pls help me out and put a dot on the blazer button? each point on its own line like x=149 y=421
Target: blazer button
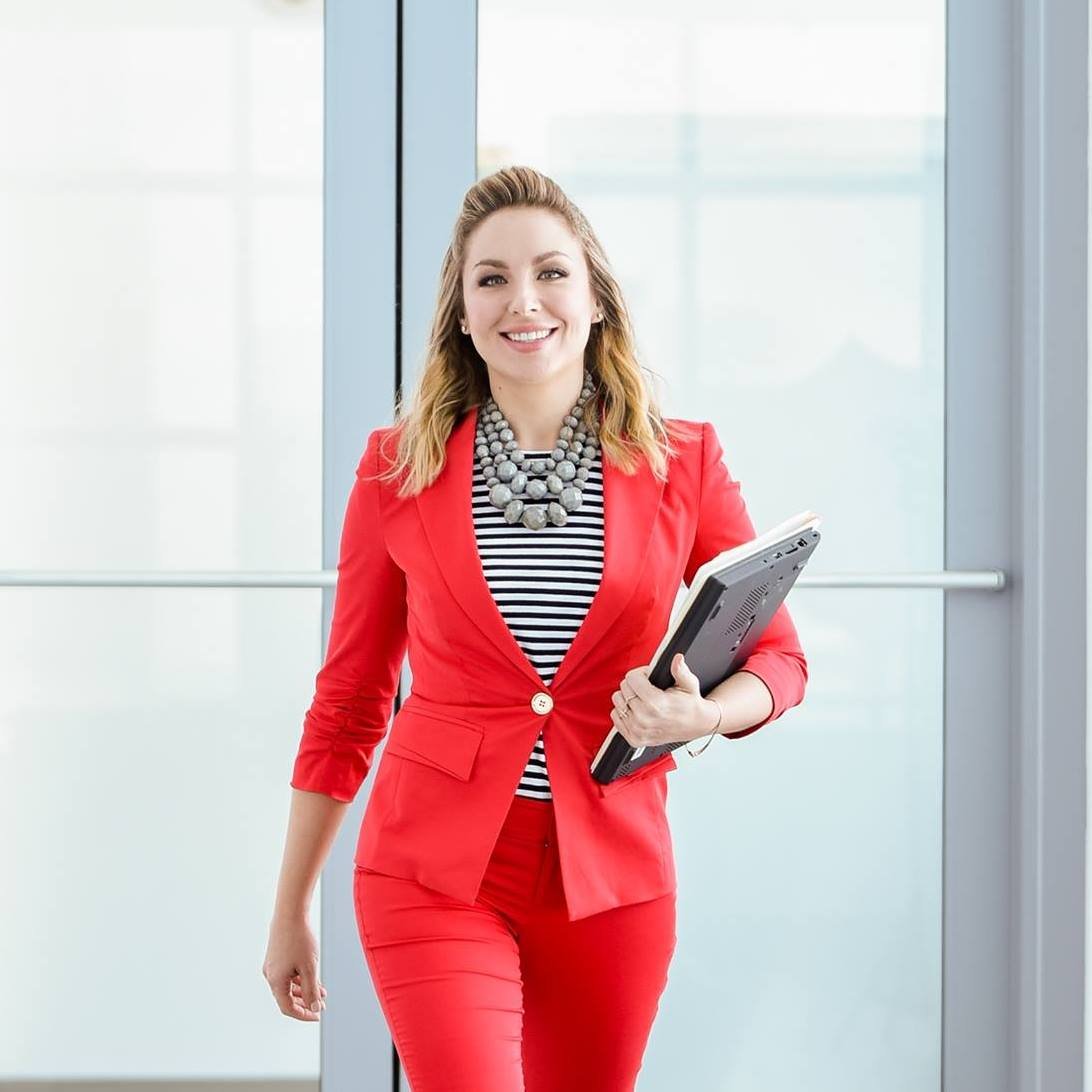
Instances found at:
x=542 y=702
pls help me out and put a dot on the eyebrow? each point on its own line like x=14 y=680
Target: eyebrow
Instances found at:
x=503 y=265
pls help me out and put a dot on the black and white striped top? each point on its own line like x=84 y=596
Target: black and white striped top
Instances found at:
x=543 y=583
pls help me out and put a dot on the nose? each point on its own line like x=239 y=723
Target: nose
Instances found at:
x=524 y=299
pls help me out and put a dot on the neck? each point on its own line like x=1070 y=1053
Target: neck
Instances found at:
x=536 y=413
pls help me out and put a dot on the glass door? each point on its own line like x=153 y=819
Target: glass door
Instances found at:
x=769 y=184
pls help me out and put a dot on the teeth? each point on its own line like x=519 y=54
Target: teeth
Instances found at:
x=535 y=335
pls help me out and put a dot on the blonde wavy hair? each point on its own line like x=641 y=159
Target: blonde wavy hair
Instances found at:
x=454 y=378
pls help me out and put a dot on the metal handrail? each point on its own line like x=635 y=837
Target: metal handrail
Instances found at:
x=948 y=579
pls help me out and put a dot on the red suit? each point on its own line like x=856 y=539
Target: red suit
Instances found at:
x=410 y=578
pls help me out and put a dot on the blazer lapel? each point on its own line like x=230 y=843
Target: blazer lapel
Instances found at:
x=630 y=505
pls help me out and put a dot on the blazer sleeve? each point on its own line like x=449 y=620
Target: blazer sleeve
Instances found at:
x=355 y=687
x=777 y=658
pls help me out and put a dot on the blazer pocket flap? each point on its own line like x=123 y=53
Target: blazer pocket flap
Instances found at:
x=663 y=763
x=443 y=742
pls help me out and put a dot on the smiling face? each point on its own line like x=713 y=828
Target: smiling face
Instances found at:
x=525 y=272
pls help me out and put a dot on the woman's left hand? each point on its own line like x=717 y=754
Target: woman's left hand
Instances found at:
x=657 y=716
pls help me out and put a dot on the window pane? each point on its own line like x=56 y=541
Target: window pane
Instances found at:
x=161 y=365
x=143 y=799
x=161 y=265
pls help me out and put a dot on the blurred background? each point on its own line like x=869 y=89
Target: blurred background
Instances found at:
x=221 y=225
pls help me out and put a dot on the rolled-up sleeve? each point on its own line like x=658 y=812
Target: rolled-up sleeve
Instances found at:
x=355 y=687
x=777 y=658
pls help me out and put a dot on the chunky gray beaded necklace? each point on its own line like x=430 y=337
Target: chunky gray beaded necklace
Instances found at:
x=514 y=480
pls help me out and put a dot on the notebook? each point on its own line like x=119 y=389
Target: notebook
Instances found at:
x=730 y=602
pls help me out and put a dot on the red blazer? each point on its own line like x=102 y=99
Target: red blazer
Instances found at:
x=409 y=575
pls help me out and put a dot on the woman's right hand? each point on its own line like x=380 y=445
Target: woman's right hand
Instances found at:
x=291 y=969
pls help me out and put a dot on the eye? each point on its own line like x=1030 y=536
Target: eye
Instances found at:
x=484 y=282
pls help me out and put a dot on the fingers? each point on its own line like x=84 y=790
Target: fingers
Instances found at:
x=619 y=722
x=637 y=680
x=289 y=1002
x=296 y=988
x=295 y=999
x=310 y=993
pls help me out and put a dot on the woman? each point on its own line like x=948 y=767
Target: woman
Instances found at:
x=523 y=530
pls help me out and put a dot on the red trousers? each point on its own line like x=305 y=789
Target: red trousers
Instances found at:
x=508 y=995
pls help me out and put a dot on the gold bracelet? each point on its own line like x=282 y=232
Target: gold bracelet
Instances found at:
x=720 y=716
